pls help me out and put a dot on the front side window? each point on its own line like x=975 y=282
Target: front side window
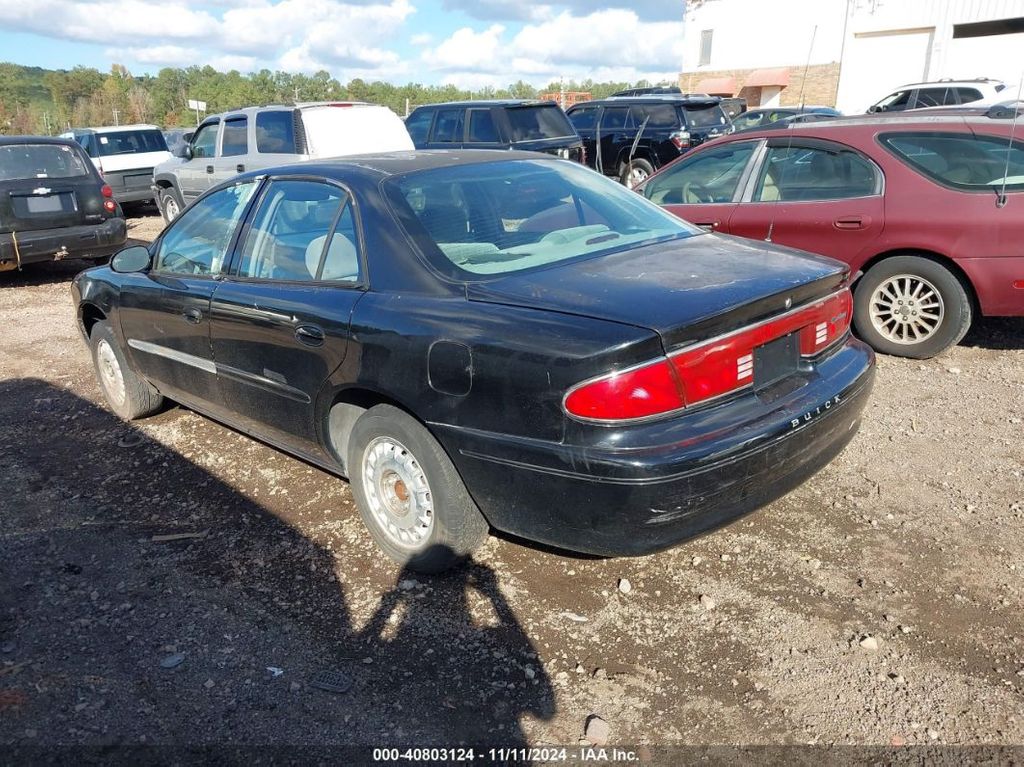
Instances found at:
x=204 y=143
x=748 y=120
x=288 y=236
x=711 y=176
x=197 y=242
x=894 y=102
x=448 y=126
x=235 y=138
x=796 y=173
x=965 y=161
x=481 y=127
x=494 y=218
x=275 y=132
x=24 y=161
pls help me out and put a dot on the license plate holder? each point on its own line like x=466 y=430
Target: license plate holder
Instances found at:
x=776 y=360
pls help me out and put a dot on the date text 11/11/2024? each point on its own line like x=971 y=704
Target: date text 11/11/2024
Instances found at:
x=506 y=755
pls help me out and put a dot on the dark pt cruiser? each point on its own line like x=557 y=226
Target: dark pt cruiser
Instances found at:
x=489 y=339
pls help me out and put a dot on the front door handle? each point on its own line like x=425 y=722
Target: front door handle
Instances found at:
x=849 y=222
x=708 y=225
x=240 y=168
x=209 y=169
x=310 y=335
x=193 y=315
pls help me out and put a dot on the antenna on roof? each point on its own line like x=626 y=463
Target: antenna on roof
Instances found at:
x=1001 y=194
x=789 y=143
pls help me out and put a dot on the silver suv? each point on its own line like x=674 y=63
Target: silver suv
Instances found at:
x=227 y=144
x=938 y=94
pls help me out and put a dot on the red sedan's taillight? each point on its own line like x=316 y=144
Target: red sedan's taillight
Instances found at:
x=707 y=370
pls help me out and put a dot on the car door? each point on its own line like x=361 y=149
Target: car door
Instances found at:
x=819 y=196
x=704 y=187
x=196 y=172
x=584 y=119
x=164 y=313
x=614 y=122
x=280 y=322
x=234 y=146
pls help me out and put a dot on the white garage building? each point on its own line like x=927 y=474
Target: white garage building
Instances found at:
x=847 y=53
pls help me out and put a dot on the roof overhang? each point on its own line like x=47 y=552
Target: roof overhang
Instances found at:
x=717 y=86
x=766 y=78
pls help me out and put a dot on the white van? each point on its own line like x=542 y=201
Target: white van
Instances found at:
x=227 y=144
x=125 y=156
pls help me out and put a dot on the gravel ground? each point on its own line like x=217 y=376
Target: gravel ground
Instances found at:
x=880 y=603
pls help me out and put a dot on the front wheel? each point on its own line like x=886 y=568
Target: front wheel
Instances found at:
x=911 y=306
x=636 y=172
x=410 y=496
x=170 y=204
x=129 y=395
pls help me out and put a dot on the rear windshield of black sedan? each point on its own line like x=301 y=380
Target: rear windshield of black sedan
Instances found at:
x=501 y=217
x=24 y=161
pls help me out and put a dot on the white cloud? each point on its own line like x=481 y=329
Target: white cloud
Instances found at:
x=160 y=55
x=424 y=38
x=467 y=51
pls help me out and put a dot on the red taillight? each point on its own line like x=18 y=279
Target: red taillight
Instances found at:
x=680 y=138
x=106 y=191
x=707 y=370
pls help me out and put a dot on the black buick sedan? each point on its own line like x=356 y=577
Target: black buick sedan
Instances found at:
x=488 y=340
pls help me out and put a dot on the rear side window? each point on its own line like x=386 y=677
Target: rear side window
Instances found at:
x=481 y=127
x=614 y=118
x=275 y=132
x=235 y=139
x=813 y=173
x=130 y=142
x=418 y=125
x=23 y=161
x=289 y=234
x=657 y=116
x=961 y=160
x=448 y=126
x=705 y=117
x=584 y=118
x=935 y=97
x=538 y=122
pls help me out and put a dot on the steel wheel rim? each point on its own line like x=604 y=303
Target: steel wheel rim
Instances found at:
x=398 y=493
x=171 y=208
x=110 y=373
x=906 y=309
x=635 y=176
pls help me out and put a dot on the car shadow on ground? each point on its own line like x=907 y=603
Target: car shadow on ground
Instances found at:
x=996 y=333
x=45 y=273
x=145 y=601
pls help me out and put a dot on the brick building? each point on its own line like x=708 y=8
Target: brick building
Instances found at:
x=845 y=53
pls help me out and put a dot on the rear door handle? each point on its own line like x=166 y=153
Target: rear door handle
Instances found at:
x=193 y=315
x=240 y=168
x=849 y=222
x=310 y=335
x=209 y=169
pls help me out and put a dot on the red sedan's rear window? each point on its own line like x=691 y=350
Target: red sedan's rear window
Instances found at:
x=964 y=161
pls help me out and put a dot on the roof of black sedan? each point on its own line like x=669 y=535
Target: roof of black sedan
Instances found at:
x=9 y=140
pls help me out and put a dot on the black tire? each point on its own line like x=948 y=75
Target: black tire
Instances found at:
x=139 y=397
x=640 y=170
x=171 y=204
x=456 y=525
x=954 y=316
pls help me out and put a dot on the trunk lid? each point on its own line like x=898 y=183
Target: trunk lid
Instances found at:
x=47 y=186
x=686 y=291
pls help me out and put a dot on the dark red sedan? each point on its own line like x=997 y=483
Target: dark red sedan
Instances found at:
x=927 y=211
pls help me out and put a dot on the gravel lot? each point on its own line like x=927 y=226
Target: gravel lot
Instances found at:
x=880 y=603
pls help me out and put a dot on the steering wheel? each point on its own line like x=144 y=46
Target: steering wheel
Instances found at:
x=694 y=193
x=175 y=261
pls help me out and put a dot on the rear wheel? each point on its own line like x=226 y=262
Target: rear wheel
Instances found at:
x=911 y=306
x=410 y=496
x=129 y=395
x=170 y=204
x=636 y=172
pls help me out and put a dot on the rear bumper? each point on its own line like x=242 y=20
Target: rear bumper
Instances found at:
x=90 y=241
x=132 y=185
x=671 y=481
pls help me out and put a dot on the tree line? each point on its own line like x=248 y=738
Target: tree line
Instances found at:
x=41 y=101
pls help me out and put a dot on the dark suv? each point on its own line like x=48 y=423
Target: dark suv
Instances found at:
x=670 y=125
x=53 y=204
x=536 y=126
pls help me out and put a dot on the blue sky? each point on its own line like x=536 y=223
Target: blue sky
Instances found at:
x=466 y=42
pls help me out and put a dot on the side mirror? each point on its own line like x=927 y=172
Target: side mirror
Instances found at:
x=179 y=150
x=133 y=259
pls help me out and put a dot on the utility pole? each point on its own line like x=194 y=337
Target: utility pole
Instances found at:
x=116 y=113
x=296 y=94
